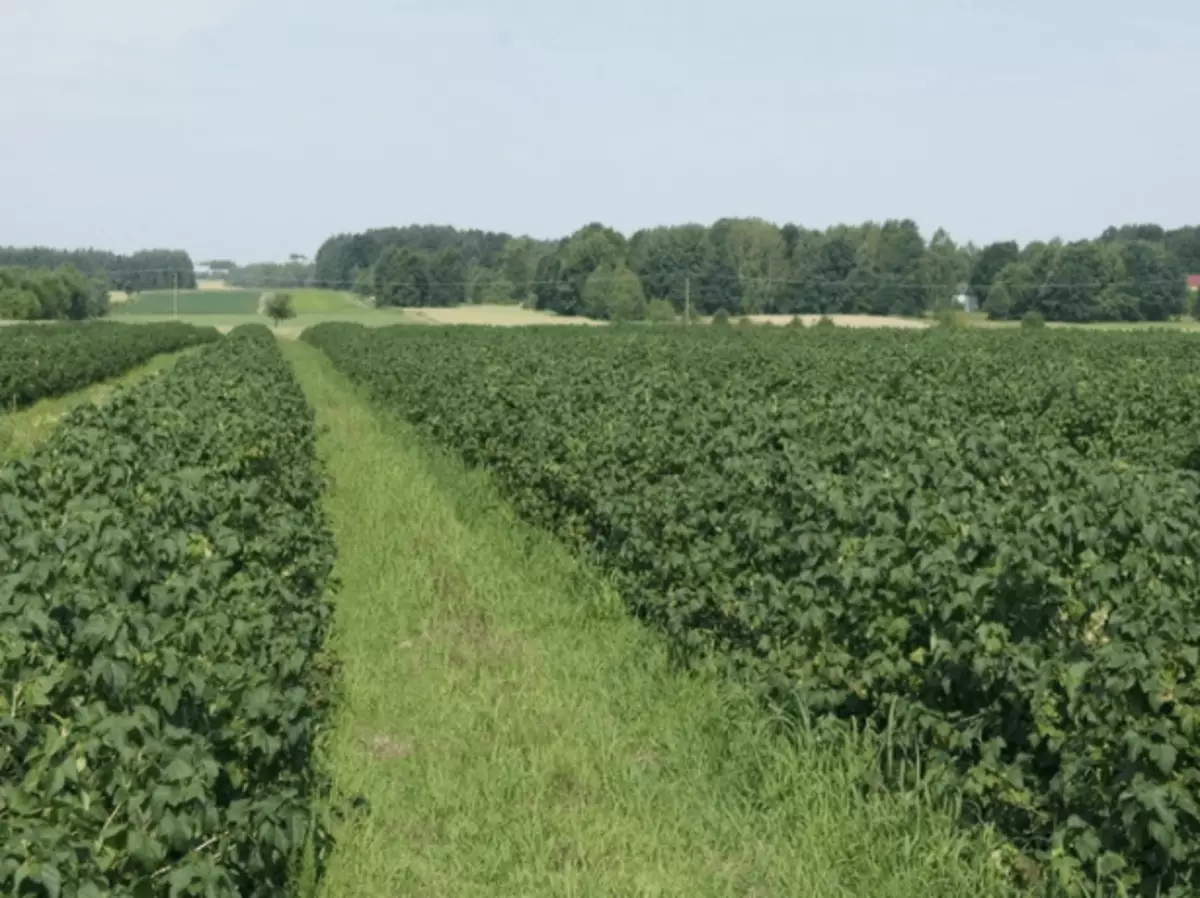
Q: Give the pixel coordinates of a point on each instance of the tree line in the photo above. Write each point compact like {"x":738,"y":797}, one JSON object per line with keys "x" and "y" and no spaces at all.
{"x":751,"y":266}
{"x":152,"y":269}
{"x":297,"y":271}
{"x":37,"y":294}
{"x":1135,"y":280}
{"x":431,"y":265}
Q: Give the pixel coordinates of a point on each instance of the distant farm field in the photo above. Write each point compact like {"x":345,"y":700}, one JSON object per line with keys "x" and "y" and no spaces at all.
{"x":193,"y":302}
{"x":308,"y":301}
{"x":491,"y":315}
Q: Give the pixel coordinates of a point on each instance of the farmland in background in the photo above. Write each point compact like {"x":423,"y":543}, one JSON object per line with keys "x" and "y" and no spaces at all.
{"x":190,"y":303}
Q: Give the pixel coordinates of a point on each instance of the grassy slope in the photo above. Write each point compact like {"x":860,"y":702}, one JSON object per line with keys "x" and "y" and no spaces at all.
{"x":23,"y":430}
{"x":517,"y":734}
{"x":307,"y":302}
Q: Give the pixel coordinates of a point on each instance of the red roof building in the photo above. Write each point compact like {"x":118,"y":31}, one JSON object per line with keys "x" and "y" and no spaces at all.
{"x":1194,"y":281}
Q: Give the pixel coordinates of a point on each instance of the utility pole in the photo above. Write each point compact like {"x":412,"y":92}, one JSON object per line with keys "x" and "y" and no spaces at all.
{"x":177,"y":295}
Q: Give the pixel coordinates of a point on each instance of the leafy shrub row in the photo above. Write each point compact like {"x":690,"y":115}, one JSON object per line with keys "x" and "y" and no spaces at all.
{"x":883,"y":527}
{"x":37,"y":361}
{"x":163,"y":560}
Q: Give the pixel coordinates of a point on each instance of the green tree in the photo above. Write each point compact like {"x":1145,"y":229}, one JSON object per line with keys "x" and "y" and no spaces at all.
{"x":401,"y":278}
{"x":447,"y":278}
{"x":489,"y":287}
{"x":821,"y":266}
{"x":518,"y":265}
{"x":614,"y":292}
{"x":859,"y":293}
{"x":1081,"y":272}
{"x":943,"y":272}
{"x":364,"y":282}
{"x":1013,"y":292}
{"x":759,"y":256}
{"x":1183,"y":245}
{"x":1117,"y":304}
{"x":660,"y":311}
{"x":585,"y":251}
{"x":279,"y":307}
{"x":899,"y":253}
{"x":720,"y":283}
{"x":988,"y":264}
{"x":1154,"y":280}
{"x":266,"y":275}
{"x":670,"y":261}
{"x":18,"y":304}
{"x":1000,"y":302}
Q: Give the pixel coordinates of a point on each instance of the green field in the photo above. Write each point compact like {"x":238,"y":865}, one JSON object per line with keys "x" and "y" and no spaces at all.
{"x":715,"y":612}
{"x":881,"y":526}
{"x":191,"y":302}
{"x":312,"y":307}
{"x":308,"y":302}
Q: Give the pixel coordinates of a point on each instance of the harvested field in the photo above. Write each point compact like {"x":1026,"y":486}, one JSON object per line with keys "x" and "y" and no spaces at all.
{"x":491,"y":315}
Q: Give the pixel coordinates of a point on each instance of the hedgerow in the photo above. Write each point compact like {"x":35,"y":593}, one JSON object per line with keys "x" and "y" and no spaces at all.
{"x":163,"y":564}
{"x":985,"y":542}
{"x":38,"y":361}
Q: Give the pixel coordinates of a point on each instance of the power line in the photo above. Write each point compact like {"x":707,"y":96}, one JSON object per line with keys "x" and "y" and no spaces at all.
{"x":860,"y":281}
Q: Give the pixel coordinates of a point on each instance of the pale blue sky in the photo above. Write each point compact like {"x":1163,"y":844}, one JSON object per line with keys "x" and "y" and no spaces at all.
{"x":255,"y":128}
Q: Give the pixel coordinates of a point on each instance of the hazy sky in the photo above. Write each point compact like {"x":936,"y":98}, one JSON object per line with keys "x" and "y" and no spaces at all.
{"x":255,"y":128}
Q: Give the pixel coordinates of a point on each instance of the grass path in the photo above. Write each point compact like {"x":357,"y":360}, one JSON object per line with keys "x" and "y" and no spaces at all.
{"x":517,"y":734}
{"x":21,"y":431}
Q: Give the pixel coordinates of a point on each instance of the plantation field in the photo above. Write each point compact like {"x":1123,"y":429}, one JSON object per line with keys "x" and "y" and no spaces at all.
{"x":883,"y":526}
{"x":162,"y":614}
{"x":541,"y":744}
{"x":365,"y":613}
{"x":24,"y":429}
{"x":191,"y":303}
{"x":38,"y":361}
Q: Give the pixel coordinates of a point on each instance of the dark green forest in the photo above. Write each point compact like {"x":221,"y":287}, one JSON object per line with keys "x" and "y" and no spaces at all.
{"x":751,"y":266}
{"x":296,"y":272}
{"x":33,"y":294}
{"x":152,"y":269}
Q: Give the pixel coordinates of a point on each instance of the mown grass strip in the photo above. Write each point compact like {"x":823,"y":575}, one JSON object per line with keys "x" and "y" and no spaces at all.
{"x":516,"y":733}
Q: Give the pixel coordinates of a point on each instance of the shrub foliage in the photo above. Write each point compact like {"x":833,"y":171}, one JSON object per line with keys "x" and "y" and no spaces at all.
{"x":42,"y":360}
{"x":162,"y":565}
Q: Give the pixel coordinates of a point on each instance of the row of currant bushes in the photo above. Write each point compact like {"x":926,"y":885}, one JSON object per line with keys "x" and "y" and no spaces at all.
{"x":42,"y":360}
{"x":163,"y":567}
{"x":988,"y":542}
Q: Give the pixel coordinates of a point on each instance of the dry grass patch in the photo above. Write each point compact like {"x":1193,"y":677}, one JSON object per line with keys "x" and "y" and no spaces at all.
{"x":843,"y":320}
{"x":492,"y":316}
